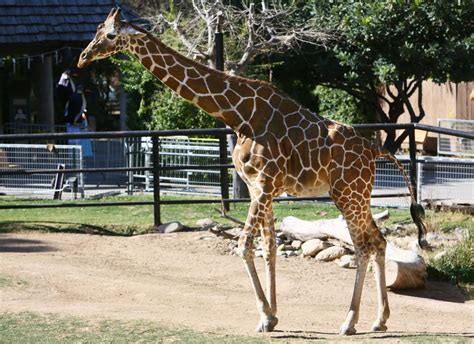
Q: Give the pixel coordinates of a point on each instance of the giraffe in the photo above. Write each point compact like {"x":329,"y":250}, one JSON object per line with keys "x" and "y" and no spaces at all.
{"x":281,"y":147}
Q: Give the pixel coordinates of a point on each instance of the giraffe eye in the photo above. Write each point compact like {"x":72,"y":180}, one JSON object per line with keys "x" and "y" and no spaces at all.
{"x":100,"y":26}
{"x":111,"y":36}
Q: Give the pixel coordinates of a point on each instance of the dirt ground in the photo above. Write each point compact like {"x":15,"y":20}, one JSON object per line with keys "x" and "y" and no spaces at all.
{"x":183,"y":279}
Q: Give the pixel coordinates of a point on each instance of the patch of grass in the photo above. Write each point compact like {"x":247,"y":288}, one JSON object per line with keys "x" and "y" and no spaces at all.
{"x":127,"y":220}
{"x":34,"y":328}
{"x":7,"y":281}
{"x":456,"y":265}
{"x":446,"y":221}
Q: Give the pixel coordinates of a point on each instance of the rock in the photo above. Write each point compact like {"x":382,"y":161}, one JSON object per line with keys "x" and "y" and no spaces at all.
{"x":258,"y":253}
{"x":205,"y":223}
{"x":170,"y":227}
{"x":312,"y":247}
{"x":296,"y":244}
{"x":462,"y":233}
{"x":347,"y":261}
{"x":290,"y":253}
{"x":280,"y":248}
{"x":330,"y":253}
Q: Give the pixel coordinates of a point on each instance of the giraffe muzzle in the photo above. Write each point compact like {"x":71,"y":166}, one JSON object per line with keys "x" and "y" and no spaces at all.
{"x":83,"y":60}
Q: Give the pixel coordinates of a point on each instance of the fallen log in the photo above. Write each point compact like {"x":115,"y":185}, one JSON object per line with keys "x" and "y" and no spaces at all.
{"x":404,"y":269}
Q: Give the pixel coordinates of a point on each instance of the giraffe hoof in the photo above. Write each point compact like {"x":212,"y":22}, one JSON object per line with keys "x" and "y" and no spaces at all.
{"x":267,"y":324}
{"x":347,"y":330}
{"x":379,"y":328}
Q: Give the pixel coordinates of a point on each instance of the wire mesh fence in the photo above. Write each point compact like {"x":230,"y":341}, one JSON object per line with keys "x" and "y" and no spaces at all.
{"x":178,"y":151}
{"x":389,"y":180}
{"x":450,"y":145}
{"x":37,"y":156}
{"x":447,"y":180}
{"x":439,"y":178}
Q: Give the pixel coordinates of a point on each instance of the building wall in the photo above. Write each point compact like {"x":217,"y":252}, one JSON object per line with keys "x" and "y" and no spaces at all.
{"x":448,"y":101}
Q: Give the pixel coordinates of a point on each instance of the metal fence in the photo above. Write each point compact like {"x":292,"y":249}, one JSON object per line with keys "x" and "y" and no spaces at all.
{"x":196,"y":153}
{"x":450,"y":145}
{"x":160,"y":164}
{"x":38,"y":156}
{"x":32,"y":128}
{"x":389,"y":181}
{"x":446,"y":179}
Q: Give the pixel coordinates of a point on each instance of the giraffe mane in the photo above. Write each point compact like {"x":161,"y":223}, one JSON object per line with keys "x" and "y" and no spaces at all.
{"x":201,"y":66}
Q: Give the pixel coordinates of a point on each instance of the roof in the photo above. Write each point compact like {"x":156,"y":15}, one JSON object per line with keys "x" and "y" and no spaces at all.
{"x":27,"y":25}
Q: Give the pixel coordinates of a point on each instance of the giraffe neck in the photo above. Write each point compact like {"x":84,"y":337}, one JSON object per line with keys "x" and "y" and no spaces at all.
{"x":244,"y":105}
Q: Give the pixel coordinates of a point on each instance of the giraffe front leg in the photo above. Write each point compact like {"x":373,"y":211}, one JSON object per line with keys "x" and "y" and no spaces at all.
{"x":269,"y":248}
{"x":255,"y":220}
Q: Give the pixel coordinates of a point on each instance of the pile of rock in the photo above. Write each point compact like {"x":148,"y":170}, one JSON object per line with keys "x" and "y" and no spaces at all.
{"x":323,"y":250}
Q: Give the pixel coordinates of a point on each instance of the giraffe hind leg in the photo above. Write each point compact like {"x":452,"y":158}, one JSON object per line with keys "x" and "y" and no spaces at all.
{"x":379,"y":270}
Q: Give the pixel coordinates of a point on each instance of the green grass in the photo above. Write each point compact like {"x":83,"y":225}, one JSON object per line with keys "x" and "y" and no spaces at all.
{"x":139,"y":219}
{"x":456,"y":265}
{"x":7,"y":281}
{"x":52,"y":329}
{"x":34,"y":328}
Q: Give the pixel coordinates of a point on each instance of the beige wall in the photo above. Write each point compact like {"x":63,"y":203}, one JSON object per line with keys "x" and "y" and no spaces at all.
{"x":448,"y":100}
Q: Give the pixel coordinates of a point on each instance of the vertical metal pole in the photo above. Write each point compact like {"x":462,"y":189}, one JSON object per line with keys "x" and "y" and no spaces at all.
{"x":155,"y":157}
{"x":219,"y":54}
{"x":412,"y":147}
{"x":224,"y":173}
{"x":130,"y":145}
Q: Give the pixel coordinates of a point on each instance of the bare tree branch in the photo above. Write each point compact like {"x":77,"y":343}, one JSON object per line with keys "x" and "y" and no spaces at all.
{"x":251,"y":30}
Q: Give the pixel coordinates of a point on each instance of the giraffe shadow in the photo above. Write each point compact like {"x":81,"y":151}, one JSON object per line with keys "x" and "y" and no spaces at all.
{"x":310,"y":336}
{"x":57,"y":227}
{"x":436,"y":290}
{"x":15,"y":245}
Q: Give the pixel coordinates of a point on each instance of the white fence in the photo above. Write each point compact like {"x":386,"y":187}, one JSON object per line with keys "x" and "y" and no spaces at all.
{"x":37,"y":156}
{"x":439,"y":178}
{"x":450,"y":145}
{"x":178,"y":151}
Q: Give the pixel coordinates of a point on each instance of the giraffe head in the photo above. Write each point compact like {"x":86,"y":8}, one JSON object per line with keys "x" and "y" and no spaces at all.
{"x":111,"y":37}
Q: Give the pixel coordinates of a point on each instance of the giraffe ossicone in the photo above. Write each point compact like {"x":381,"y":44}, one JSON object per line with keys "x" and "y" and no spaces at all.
{"x":281,"y":147}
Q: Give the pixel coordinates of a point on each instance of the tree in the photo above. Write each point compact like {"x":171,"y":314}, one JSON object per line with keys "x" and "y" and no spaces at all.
{"x":384,"y":50}
{"x":153,"y":106}
{"x":251,"y":28}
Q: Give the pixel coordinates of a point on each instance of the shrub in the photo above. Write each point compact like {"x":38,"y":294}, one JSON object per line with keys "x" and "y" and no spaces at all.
{"x":456,"y":265}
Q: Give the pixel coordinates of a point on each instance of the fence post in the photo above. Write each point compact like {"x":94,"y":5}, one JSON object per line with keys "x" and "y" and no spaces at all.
{"x":219,"y":60}
{"x":224,"y":176}
{"x":130,"y":144}
{"x":412,"y":147}
{"x":155,"y":158}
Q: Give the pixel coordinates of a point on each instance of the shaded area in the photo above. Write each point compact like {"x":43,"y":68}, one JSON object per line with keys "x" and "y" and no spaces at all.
{"x":58,"y":227}
{"x":313,"y":336}
{"x":16,"y":245}
{"x":435,"y":290}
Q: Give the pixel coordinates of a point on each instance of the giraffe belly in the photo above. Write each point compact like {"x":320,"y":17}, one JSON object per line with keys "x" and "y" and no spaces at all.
{"x":315,"y":189}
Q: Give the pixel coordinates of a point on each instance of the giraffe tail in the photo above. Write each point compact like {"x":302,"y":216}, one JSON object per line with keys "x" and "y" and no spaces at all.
{"x":416,"y":210}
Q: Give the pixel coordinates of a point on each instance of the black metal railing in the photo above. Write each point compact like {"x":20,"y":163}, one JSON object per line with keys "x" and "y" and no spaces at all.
{"x":222,"y":166}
